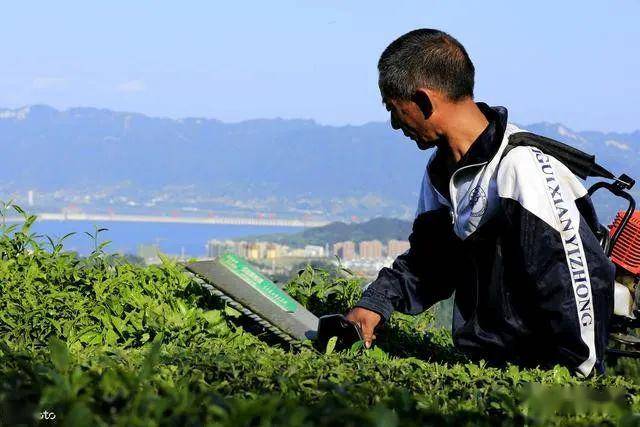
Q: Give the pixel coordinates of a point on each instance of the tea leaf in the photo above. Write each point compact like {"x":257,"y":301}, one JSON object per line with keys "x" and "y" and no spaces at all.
{"x":59,"y":354}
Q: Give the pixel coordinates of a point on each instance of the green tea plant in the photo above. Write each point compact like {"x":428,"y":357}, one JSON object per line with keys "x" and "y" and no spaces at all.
{"x":97,"y":340}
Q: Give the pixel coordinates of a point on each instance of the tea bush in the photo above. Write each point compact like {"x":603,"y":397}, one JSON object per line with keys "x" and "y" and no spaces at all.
{"x":101,"y":341}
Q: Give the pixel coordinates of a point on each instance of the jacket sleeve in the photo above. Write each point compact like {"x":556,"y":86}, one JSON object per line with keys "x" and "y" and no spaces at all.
{"x":417,"y":278}
{"x":551,"y":217}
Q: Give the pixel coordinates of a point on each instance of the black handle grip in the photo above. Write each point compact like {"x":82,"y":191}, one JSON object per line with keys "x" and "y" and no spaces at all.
{"x":336,"y":325}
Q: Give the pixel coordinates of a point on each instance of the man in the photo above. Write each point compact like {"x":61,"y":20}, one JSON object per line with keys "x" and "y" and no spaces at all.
{"x":510,"y":230}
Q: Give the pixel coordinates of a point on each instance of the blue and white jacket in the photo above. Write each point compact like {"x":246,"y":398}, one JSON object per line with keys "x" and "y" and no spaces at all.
{"x":513,"y":236}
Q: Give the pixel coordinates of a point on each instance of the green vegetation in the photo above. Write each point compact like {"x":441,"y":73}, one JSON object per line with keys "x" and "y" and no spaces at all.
{"x":382,"y":229}
{"x":100,"y":341}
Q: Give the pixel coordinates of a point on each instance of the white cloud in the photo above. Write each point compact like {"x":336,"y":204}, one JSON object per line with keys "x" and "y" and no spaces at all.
{"x":19,"y":114}
{"x":617,"y":144}
{"x":48,"y":82}
{"x":131,"y":86}
{"x":566,"y":132}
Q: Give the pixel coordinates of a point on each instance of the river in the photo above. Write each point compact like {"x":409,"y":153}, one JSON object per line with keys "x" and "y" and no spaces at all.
{"x":172,"y":238}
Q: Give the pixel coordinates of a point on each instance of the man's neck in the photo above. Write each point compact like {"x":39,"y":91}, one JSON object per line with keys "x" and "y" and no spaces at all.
{"x":466,"y":124}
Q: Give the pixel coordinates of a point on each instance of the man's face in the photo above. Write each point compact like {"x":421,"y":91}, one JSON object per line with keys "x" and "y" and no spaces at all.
{"x":407,"y":116}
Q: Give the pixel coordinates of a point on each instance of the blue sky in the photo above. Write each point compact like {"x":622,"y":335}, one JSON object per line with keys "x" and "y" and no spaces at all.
{"x":575,"y":62}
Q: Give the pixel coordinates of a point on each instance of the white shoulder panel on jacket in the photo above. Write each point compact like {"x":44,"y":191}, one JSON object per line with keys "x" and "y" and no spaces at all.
{"x":540,"y":184}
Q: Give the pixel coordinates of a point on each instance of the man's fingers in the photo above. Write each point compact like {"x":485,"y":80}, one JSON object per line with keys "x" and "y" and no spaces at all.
{"x":367,"y":320}
{"x":369,"y":341}
{"x":367,"y":335}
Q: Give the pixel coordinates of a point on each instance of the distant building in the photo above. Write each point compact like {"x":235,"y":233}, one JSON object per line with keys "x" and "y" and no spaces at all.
{"x":370,"y":249}
{"x":241,"y":248}
{"x":312,"y":251}
{"x":309,"y":251}
{"x":276,"y":251}
{"x":253,"y":250}
{"x":345,"y":250}
{"x":397,"y":247}
{"x":216,"y":248}
{"x":212,"y":248}
{"x":266,"y":250}
{"x":249,"y":250}
{"x":296,"y":253}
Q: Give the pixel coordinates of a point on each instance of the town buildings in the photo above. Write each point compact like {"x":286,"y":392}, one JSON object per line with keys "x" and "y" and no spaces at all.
{"x":370,"y":249}
{"x":345,"y":250}
{"x":396,"y":247}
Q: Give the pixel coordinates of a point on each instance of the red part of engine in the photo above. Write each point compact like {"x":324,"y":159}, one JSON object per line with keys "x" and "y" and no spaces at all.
{"x":626,"y":251}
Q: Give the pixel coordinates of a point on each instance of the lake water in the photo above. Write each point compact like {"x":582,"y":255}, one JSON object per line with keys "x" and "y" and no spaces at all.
{"x":172,"y":238}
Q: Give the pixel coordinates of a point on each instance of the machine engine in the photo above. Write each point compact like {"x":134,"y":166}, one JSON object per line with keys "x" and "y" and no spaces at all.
{"x":625,"y":254}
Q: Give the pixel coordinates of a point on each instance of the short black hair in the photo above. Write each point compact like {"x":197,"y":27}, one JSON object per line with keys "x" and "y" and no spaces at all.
{"x":425,"y":58}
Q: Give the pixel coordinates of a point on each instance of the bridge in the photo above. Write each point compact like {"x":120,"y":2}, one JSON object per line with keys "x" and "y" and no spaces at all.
{"x":174,"y":219}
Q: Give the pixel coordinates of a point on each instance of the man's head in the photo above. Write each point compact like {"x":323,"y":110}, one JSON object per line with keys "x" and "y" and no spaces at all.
{"x":421,"y":74}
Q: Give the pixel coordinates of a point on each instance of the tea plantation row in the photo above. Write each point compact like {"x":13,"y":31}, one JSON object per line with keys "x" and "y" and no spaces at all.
{"x":99,"y":341}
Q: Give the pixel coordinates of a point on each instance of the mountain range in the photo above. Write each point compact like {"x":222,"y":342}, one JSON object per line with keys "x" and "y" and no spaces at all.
{"x":370,"y":166}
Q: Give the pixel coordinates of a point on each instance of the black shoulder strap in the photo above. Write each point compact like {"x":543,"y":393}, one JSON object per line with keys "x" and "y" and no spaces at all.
{"x":580,"y":163}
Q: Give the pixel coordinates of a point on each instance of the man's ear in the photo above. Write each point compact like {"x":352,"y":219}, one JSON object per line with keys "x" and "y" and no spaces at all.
{"x":421,"y":99}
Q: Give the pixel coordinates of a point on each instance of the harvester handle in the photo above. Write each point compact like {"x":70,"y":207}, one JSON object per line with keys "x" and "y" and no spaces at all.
{"x":336,"y":325}
{"x":617,"y":189}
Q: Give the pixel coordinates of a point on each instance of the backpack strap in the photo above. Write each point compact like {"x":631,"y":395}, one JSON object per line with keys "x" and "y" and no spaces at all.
{"x":579,"y":163}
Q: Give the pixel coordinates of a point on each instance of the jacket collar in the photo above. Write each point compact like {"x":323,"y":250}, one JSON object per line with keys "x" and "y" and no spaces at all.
{"x":483,"y":149}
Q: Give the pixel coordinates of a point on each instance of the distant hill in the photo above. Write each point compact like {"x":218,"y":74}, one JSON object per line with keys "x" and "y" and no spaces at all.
{"x":288,"y":158}
{"x":382,"y":229}
{"x":368,"y":170}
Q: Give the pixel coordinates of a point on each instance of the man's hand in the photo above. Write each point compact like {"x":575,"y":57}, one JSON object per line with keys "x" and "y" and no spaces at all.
{"x":367,"y":320}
